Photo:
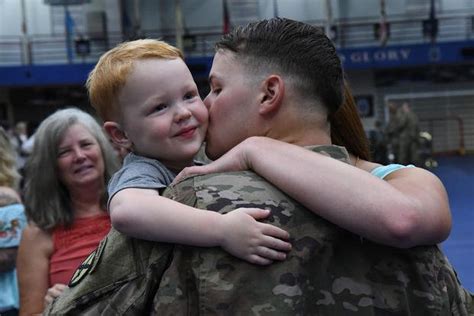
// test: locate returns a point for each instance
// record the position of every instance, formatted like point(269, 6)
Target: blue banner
point(402, 56)
point(407, 55)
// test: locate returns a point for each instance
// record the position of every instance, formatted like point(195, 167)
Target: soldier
point(392, 132)
point(403, 132)
point(408, 136)
point(330, 271)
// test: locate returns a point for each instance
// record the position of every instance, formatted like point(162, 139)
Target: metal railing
point(53, 49)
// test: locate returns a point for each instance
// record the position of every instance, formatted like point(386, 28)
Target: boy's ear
point(273, 91)
point(117, 135)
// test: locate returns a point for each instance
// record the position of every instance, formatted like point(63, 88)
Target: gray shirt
point(140, 172)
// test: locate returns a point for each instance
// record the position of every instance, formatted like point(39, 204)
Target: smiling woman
point(79, 158)
point(65, 196)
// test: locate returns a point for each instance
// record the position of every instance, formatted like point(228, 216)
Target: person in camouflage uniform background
point(409, 132)
point(329, 272)
point(403, 134)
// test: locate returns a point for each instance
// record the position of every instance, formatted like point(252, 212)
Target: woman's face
point(80, 161)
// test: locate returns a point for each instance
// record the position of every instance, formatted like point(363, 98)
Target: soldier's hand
point(253, 241)
point(235, 159)
point(54, 292)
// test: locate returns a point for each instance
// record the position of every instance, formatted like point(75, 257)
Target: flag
point(383, 27)
point(329, 28)
point(69, 25)
point(127, 28)
point(430, 26)
point(226, 21)
point(275, 8)
point(69, 22)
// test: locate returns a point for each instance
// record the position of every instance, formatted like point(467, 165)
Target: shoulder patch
point(89, 264)
point(83, 269)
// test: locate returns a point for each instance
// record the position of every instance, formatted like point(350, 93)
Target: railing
point(46, 49)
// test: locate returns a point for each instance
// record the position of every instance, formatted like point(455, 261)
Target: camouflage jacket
point(330, 271)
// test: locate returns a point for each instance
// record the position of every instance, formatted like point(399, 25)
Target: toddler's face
point(163, 114)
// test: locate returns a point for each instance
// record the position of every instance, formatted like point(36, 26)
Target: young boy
point(150, 105)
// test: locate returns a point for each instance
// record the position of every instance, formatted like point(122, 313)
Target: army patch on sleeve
point(83, 269)
point(88, 265)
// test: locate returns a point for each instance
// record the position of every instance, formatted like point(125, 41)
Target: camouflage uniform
point(403, 132)
point(408, 138)
point(330, 271)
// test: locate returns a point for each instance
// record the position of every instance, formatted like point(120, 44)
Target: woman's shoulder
point(36, 243)
point(33, 232)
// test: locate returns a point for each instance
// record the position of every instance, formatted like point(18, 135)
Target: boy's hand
point(246, 238)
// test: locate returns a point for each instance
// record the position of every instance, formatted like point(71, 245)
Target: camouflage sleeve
point(119, 278)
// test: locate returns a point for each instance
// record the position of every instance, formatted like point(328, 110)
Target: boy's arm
point(410, 208)
point(144, 214)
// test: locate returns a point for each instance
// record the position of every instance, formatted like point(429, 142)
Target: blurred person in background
point(19, 136)
point(9, 176)
point(379, 144)
point(12, 221)
point(409, 132)
point(65, 196)
point(403, 134)
point(391, 132)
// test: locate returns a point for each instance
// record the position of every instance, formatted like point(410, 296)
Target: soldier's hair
point(295, 49)
point(9, 175)
point(113, 68)
point(47, 200)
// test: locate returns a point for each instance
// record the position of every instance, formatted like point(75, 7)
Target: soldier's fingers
point(270, 254)
point(274, 231)
point(192, 171)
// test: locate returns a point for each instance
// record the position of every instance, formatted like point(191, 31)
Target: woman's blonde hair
point(9, 176)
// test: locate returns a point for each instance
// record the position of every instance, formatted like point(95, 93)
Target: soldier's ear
point(117, 135)
point(272, 94)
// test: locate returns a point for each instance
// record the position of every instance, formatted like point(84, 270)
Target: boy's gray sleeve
point(140, 172)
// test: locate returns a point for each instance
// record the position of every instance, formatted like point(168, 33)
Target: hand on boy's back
point(235, 159)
